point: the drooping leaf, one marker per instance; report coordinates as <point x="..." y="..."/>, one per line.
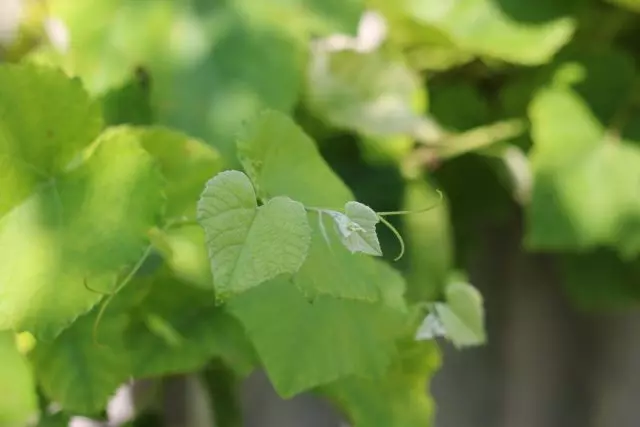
<point x="304" y="344"/>
<point x="45" y="120"/>
<point x="398" y="398"/>
<point x="83" y="228"/>
<point x="79" y="373"/>
<point x="249" y="244"/>
<point x="18" y="400"/>
<point x="177" y="329"/>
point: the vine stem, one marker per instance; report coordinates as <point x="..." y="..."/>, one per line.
<point x="435" y="205"/>
<point x="122" y="284"/>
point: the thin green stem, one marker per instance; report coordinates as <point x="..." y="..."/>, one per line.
<point x="122" y="284"/>
<point x="440" y="195"/>
<point x="397" y="234"/>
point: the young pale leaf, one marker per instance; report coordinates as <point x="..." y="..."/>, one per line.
<point x="431" y="328"/>
<point x="249" y="244"/>
<point x="18" y="400"/>
<point x="463" y="314"/>
<point x="364" y="239"/>
<point x="357" y="228"/>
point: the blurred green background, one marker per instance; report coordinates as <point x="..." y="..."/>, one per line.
<point x="524" y="113"/>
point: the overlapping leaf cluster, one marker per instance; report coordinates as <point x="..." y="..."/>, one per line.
<point x="506" y="106"/>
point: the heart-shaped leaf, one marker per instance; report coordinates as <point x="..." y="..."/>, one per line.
<point x="248" y="244"/>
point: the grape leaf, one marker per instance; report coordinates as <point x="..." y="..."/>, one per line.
<point x="461" y="317"/>
<point x="83" y="227"/>
<point x="177" y="329"/>
<point x="130" y="103"/>
<point x="357" y="228"/>
<point x="331" y="269"/>
<point x="573" y="157"/>
<point x="249" y="244"/>
<point x="398" y="398"/>
<point x="272" y="150"/>
<point x="45" y="120"/>
<point x="186" y="164"/>
<point x="507" y="30"/>
<point x="18" y="400"/>
<point x="303" y="344"/>
<point x="79" y="373"/>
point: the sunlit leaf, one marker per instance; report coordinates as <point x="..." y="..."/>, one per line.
<point x="249" y="244"/>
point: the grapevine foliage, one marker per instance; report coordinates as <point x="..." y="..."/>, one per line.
<point x="173" y="188"/>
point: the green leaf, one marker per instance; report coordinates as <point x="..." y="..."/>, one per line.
<point x="79" y="373"/>
<point x="185" y="251"/>
<point x="273" y="149"/>
<point x="45" y="120"/>
<point x="130" y="103"/>
<point x="249" y="244"/>
<point x="429" y="245"/>
<point x="513" y="31"/>
<point x="84" y="227"/>
<point x="357" y="228"/>
<point x="586" y="180"/>
<point x="178" y="329"/>
<point x="462" y="317"/>
<point x="202" y="57"/>
<point x="398" y="398"/>
<point x="372" y="93"/>
<point x="186" y="164"/>
<point x="306" y="17"/>
<point x="303" y="343"/>
<point x="18" y="400"/>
